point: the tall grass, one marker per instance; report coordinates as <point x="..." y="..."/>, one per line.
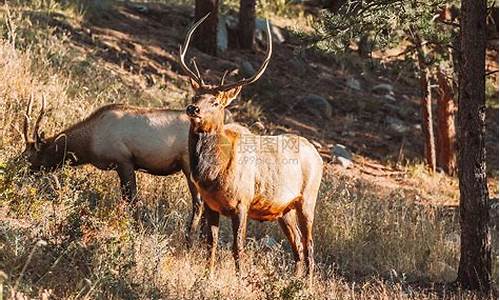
<point x="367" y="245"/>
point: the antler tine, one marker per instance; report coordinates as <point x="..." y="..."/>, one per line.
<point x="39" y="119"/>
<point x="184" y="47"/>
<point x="26" y="125"/>
<point x="197" y="71"/>
<point x="224" y="77"/>
<point x="260" y="71"/>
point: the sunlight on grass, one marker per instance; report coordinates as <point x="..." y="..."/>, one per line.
<point x="367" y="246"/>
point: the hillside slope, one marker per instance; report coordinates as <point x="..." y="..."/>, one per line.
<point x="385" y="228"/>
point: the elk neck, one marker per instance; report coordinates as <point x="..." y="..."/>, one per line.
<point x="70" y="146"/>
<point x="211" y="155"/>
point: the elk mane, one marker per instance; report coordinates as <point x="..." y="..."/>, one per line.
<point x="210" y="158"/>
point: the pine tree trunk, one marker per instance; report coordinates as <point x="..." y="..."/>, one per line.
<point x="205" y="37"/>
<point x="247" y="23"/>
<point x="474" y="270"/>
<point x="426" y="105"/>
<point x="446" y="125"/>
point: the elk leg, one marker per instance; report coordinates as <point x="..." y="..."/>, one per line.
<point x="306" y="229"/>
<point x="239" y="235"/>
<point x="289" y="225"/>
<point x="197" y="213"/>
<point x="128" y="184"/>
<point x="212" y="236"/>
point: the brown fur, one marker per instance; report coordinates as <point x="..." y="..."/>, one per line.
<point x="259" y="189"/>
<point x="264" y="185"/>
<point x="114" y="137"/>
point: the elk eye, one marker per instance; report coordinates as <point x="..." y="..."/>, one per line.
<point x="215" y="104"/>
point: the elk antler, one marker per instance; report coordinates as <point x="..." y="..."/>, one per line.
<point x="260" y="71"/>
<point x="224" y="87"/>
<point x="183" y="50"/>
<point x="27" y="114"/>
<point x="35" y="137"/>
<point x="36" y="130"/>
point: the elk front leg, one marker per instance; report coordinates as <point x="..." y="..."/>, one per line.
<point x="212" y="236"/>
<point x="239" y="235"/>
<point x="197" y="212"/>
<point x="128" y="184"/>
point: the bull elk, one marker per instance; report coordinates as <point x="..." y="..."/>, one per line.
<point x="242" y="175"/>
<point x="121" y="138"/>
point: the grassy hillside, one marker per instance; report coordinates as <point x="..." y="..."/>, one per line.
<point x="381" y="232"/>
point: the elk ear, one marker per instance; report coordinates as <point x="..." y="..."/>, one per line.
<point x="41" y="137"/>
<point x="227" y="97"/>
<point x="195" y="85"/>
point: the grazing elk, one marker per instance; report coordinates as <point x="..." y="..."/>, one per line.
<point x="122" y="138"/>
<point x="241" y="175"/>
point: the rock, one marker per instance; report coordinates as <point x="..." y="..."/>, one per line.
<point x="246" y="69"/>
<point x="344" y="162"/>
<point x="383" y="89"/>
<point x="277" y="34"/>
<point x="140" y="8"/>
<point x="396" y="125"/>
<point x="342" y="156"/>
<point x="389" y="98"/>
<point x="353" y="84"/>
<point x="318" y="104"/>
<point x="261" y="28"/>
<point x="222" y="36"/>
<point x="341" y="151"/>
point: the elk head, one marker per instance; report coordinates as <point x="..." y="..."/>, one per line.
<point x="37" y="148"/>
<point x="207" y="108"/>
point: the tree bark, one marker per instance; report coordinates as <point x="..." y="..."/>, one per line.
<point x="474" y="270"/>
<point x="247" y="23"/>
<point x="446" y="148"/>
<point x="426" y="104"/>
<point x="205" y="38"/>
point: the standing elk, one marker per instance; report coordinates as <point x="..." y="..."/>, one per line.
<point x="122" y="138"/>
<point x="242" y="175"/>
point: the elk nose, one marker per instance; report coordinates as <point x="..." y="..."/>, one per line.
<point x="192" y="110"/>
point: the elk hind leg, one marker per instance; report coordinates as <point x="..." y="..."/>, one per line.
<point x="289" y="225"/>
<point x="305" y="218"/>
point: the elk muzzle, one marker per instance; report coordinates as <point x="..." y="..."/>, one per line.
<point x="193" y="111"/>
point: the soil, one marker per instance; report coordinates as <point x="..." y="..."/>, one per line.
<point x="142" y="42"/>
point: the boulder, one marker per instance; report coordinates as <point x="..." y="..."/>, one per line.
<point x="246" y="69"/>
<point x="318" y="104"/>
<point x="342" y="156"/>
<point x="396" y="125"/>
<point x="383" y="89"/>
<point x="353" y="84"/>
<point x="261" y="28"/>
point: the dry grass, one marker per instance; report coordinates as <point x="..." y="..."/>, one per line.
<point x="366" y="247"/>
